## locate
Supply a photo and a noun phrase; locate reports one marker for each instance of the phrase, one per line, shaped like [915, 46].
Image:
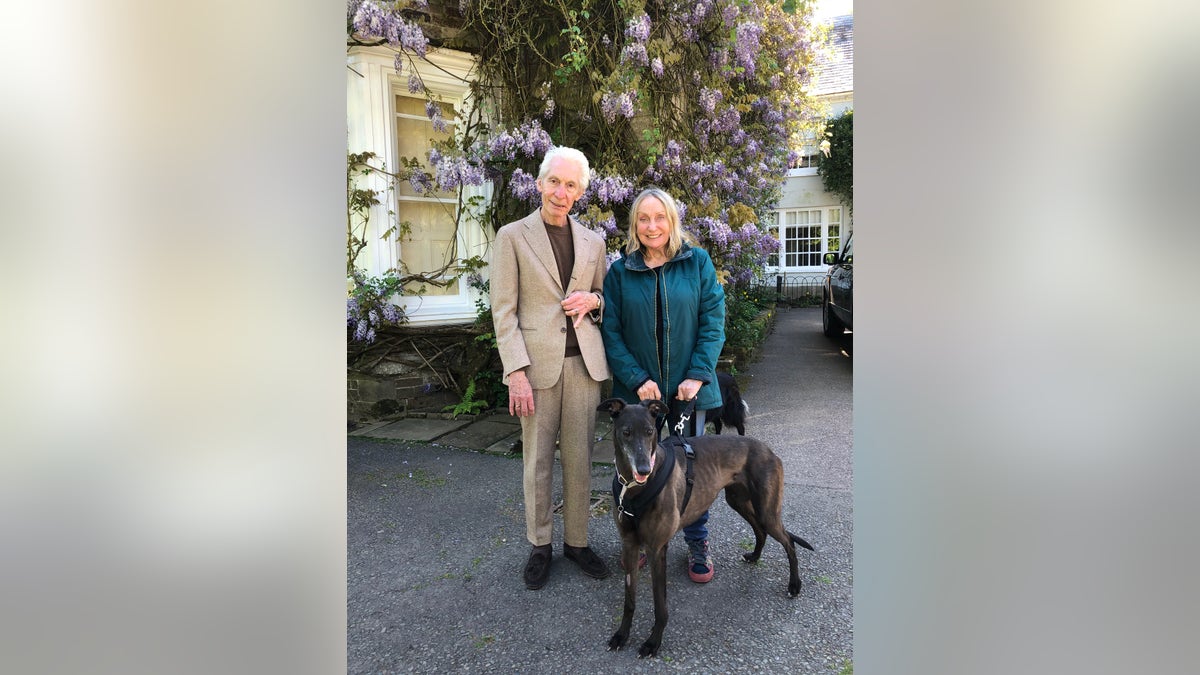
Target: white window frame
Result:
[780, 231]
[371, 120]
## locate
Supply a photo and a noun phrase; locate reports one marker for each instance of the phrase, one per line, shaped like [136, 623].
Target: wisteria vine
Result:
[704, 98]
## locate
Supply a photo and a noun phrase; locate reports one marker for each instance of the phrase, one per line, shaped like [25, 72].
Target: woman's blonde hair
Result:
[676, 237]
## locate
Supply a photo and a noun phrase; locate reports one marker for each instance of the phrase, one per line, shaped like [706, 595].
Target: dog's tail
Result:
[800, 541]
[745, 406]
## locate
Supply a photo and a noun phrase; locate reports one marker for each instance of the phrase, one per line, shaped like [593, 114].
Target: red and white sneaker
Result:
[700, 564]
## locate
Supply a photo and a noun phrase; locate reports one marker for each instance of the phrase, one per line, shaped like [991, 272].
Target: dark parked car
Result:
[837, 295]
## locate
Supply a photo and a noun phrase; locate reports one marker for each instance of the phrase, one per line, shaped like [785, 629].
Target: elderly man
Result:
[546, 293]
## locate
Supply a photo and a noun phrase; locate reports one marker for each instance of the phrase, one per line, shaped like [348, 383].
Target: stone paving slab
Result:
[495, 434]
[416, 429]
[505, 445]
[479, 434]
[369, 428]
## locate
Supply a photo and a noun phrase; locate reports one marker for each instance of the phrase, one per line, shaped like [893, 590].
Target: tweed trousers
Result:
[569, 406]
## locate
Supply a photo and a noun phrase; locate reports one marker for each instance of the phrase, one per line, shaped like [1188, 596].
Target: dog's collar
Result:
[639, 503]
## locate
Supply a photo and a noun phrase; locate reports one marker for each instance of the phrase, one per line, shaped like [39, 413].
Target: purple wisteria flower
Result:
[747, 46]
[523, 186]
[455, 172]
[656, 66]
[421, 182]
[609, 190]
[728, 121]
[605, 227]
[635, 53]
[672, 155]
[638, 28]
[719, 59]
[371, 21]
[391, 313]
[530, 139]
[718, 231]
[434, 112]
[414, 84]
[709, 98]
[613, 104]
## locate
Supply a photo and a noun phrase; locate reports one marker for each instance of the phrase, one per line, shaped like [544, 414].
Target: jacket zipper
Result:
[666, 341]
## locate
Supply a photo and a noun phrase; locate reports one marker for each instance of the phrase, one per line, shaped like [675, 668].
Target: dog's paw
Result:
[649, 649]
[750, 557]
[617, 641]
[794, 588]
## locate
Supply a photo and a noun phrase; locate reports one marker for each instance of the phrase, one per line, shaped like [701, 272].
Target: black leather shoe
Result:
[537, 569]
[589, 562]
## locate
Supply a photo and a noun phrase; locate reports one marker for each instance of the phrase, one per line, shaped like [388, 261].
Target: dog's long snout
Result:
[643, 466]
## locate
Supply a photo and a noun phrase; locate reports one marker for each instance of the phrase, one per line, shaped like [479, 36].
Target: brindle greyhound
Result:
[750, 473]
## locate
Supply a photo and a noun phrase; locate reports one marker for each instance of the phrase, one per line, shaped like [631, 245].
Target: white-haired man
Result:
[546, 293]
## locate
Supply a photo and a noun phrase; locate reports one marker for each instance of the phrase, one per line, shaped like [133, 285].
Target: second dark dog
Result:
[654, 500]
[733, 408]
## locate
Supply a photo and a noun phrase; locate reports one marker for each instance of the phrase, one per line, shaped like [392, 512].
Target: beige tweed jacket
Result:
[531, 327]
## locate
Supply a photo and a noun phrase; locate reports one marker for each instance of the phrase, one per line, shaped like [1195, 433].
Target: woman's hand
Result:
[649, 391]
[687, 389]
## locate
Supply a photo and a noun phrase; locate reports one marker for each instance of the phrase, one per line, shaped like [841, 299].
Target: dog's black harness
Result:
[637, 505]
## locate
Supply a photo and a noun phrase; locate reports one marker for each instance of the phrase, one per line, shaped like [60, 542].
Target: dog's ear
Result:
[614, 406]
[656, 407]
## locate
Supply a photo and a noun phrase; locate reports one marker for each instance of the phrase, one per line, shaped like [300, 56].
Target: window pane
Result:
[411, 105]
[773, 230]
[430, 242]
[414, 138]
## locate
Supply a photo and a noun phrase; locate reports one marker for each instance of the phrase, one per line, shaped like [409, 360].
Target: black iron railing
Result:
[793, 288]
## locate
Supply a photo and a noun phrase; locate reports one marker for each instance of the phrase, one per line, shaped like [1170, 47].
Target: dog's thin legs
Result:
[658, 579]
[784, 537]
[629, 560]
[739, 501]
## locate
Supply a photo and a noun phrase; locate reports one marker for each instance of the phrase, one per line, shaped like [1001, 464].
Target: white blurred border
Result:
[1026, 373]
[173, 364]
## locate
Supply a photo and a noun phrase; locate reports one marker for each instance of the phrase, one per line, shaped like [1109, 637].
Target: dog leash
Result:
[686, 415]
